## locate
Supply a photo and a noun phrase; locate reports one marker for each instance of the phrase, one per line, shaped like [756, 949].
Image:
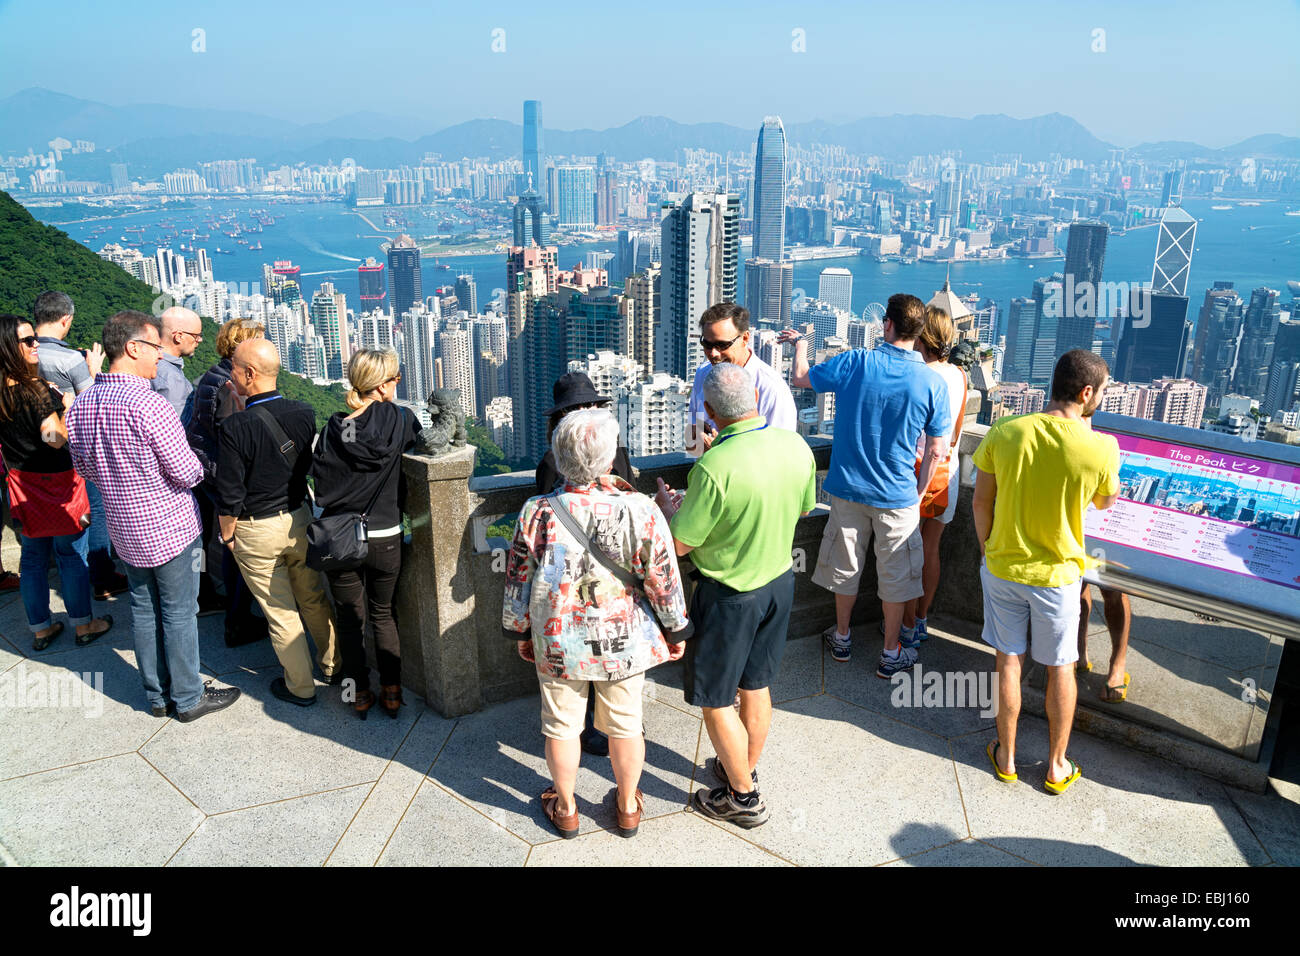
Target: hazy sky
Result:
[1214, 73]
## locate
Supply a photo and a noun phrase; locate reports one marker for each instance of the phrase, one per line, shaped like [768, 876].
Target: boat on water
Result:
[1220, 208]
[256, 248]
[1292, 212]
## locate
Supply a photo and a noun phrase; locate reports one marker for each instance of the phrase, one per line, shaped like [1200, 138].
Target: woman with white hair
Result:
[593, 576]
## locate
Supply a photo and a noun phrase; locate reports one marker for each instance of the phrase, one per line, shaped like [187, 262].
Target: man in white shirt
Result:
[725, 337]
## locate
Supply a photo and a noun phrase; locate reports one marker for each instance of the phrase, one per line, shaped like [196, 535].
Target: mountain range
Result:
[153, 139]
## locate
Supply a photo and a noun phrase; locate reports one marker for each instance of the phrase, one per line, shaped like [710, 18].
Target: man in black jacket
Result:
[265, 455]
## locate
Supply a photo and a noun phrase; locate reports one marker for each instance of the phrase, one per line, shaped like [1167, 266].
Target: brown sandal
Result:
[565, 826]
[390, 696]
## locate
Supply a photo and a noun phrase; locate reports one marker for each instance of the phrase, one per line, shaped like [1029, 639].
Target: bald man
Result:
[182, 331]
[262, 466]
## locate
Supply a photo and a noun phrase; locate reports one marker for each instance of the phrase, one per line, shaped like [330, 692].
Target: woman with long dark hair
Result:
[47, 499]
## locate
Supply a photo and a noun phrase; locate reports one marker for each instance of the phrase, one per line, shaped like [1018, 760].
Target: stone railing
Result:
[450, 594]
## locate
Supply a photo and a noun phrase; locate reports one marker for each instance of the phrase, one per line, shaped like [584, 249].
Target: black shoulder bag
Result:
[338, 543]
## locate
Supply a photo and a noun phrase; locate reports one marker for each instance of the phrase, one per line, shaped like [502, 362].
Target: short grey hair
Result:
[729, 390]
[584, 444]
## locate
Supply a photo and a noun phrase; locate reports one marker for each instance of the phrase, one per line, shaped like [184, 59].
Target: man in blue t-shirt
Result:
[885, 399]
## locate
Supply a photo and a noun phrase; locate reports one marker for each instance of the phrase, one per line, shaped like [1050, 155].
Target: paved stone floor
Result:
[850, 778]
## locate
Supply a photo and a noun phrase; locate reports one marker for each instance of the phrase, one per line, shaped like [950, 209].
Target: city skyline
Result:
[795, 57]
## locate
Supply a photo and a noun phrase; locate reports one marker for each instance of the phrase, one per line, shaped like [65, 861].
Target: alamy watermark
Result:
[84, 691]
[947, 689]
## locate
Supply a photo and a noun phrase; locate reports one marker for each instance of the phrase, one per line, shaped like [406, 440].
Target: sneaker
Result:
[887, 667]
[210, 702]
[922, 629]
[841, 651]
[720, 772]
[721, 804]
[912, 639]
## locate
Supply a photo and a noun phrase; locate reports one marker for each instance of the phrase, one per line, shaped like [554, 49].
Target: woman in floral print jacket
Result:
[589, 631]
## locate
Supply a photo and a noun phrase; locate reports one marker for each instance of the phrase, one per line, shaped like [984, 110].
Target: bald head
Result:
[254, 366]
[182, 331]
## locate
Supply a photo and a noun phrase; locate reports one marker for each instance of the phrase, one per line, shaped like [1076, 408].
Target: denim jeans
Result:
[70, 555]
[100, 559]
[164, 619]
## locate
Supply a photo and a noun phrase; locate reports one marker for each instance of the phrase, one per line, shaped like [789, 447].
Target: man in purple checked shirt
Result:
[128, 440]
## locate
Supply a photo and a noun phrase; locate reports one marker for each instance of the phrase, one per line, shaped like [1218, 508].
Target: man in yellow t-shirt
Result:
[1037, 475]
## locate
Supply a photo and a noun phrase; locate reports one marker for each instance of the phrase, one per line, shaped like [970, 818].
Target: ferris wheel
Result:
[874, 312]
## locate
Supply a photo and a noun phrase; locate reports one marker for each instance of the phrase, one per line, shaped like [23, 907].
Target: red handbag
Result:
[48, 505]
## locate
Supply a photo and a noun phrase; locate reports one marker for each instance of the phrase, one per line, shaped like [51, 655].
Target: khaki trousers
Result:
[272, 556]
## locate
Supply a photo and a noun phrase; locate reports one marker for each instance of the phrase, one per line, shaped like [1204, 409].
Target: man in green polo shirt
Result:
[737, 522]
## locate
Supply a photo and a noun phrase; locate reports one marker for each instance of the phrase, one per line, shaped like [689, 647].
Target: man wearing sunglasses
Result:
[182, 331]
[725, 337]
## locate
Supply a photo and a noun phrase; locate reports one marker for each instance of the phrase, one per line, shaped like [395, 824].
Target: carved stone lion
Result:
[448, 427]
[964, 354]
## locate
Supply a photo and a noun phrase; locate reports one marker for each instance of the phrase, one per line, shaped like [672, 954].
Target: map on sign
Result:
[1212, 508]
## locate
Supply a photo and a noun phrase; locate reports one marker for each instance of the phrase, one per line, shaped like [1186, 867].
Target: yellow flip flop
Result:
[1082, 667]
[1116, 695]
[1059, 787]
[992, 751]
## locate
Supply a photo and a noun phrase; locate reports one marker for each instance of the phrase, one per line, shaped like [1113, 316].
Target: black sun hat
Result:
[573, 389]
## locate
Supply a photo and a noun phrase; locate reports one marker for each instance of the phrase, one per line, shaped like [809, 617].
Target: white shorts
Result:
[954, 489]
[1044, 621]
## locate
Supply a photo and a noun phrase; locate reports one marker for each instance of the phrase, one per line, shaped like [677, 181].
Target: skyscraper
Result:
[701, 258]
[1018, 361]
[534, 157]
[1172, 194]
[1280, 388]
[1259, 330]
[606, 198]
[532, 226]
[1049, 301]
[1174, 244]
[467, 293]
[456, 357]
[1218, 334]
[836, 287]
[769, 191]
[121, 183]
[768, 289]
[1085, 253]
[576, 197]
[370, 277]
[404, 274]
[1155, 338]
[643, 292]
[329, 314]
[530, 278]
[417, 354]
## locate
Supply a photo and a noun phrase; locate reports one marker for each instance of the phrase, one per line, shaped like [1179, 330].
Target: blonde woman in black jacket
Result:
[357, 459]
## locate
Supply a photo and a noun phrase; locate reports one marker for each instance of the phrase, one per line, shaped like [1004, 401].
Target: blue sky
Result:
[1210, 72]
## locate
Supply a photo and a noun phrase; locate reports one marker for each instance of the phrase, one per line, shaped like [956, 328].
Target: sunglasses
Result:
[198, 336]
[151, 344]
[29, 341]
[720, 346]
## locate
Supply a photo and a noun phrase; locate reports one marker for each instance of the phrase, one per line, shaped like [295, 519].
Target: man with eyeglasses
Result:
[725, 337]
[182, 331]
[129, 442]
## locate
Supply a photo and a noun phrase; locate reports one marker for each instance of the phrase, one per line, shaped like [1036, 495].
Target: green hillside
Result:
[35, 257]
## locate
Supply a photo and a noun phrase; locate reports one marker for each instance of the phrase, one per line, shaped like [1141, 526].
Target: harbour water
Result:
[1248, 245]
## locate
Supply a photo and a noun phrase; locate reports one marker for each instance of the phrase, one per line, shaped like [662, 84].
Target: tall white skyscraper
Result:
[836, 287]
[329, 314]
[417, 354]
[456, 355]
[376, 330]
[1174, 245]
[701, 258]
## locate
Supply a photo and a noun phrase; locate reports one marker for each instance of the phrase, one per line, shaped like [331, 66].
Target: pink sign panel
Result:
[1221, 510]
